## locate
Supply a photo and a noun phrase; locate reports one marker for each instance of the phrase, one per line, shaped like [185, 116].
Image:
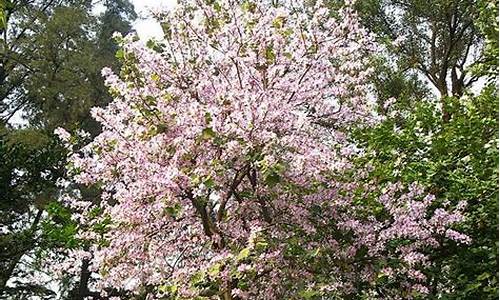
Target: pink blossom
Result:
[222, 153]
[62, 134]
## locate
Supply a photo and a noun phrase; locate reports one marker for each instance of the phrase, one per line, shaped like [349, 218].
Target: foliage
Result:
[394, 86]
[31, 165]
[456, 161]
[66, 84]
[51, 54]
[440, 40]
[18, 45]
[488, 24]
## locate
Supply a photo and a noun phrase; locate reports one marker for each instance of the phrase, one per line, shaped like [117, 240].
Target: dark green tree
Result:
[18, 47]
[448, 143]
[67, 81]
[51, 54]
[31, 163]
[441, 40]
[116, 18]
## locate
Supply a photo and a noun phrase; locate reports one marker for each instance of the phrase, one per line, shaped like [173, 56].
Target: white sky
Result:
[145, 26]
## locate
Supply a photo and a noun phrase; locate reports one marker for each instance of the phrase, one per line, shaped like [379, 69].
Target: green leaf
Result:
[270, 55]
[155, 77]
[167, 29]
[214, 270]
[483, 276]
[208, 118]
[168, 289]
[272, 178]
[308, 294]
[197, 278]
[278, 22]
[120, 54]
[209, 182]
[208, 133]
[244, 253]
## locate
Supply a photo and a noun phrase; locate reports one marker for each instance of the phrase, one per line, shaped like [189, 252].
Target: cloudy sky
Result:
[145, 26]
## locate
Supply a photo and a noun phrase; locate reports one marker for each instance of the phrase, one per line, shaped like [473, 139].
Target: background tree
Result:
[18, 47]
[31, 163]
[439, 39]
[452, 149]
[52, 55]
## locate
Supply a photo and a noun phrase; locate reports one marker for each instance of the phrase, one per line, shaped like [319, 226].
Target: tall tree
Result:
[52, 56]
[66, 81]
[221, 182]
[456, 159]
[439, 39]
[31, 163]
[18, 47]
[116, 18]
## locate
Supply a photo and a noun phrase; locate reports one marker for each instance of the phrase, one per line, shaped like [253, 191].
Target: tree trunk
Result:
[457, 84]
[82, 289]
[443, 91]
[226, 295]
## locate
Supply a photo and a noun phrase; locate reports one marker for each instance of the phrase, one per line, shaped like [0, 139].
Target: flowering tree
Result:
[225, 169]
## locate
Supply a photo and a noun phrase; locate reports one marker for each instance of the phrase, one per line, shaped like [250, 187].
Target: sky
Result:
[145, 26]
